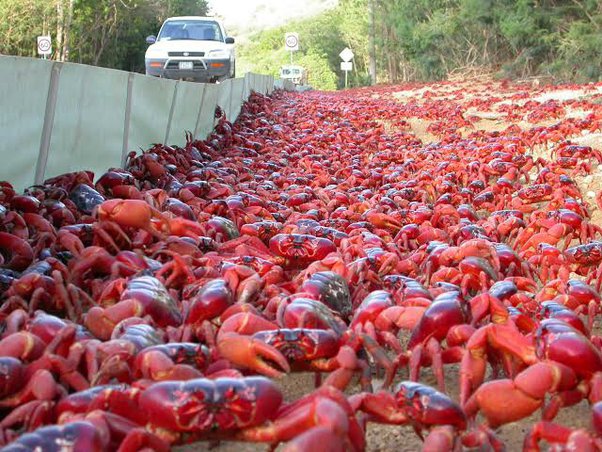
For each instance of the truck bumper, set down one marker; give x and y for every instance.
(202, 70)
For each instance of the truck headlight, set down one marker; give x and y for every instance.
(153, 53)
(218, 54)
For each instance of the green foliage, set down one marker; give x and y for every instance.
(186, 8)
(22, 21)
(580, 55)
(319, 73)
(428, 39)
(415, 39)
(108, 33)
(112, 32)
(321, 39)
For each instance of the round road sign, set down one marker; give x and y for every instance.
(291, 41)
(44, 45)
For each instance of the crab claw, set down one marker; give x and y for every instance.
(134, 213)
(381, 220)
(244, 351)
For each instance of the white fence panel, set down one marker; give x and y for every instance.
(151, 103)
(186, 110)
(23, 96)
(207, 114)
(247, 86)
(223, 99)
(254, 80)
(236, 99)
(89, 123)
(62, 117)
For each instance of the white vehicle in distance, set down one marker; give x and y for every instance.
(191, 48)
(295, 74)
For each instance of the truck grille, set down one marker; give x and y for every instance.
(181, 54)
(175, 65)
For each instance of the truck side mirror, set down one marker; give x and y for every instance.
(151, 39)
(229, 40)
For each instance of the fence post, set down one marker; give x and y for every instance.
(127, 119)
(53, 88)
(171, 111)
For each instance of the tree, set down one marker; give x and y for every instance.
(319, 73)
(414, 39)
(322, 38)
(107, 33)
(22, 21)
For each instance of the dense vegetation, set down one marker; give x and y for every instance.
(109, 33)
(415, 39)
(429, 39)
(321, 40)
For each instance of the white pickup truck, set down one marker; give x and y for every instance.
(191, 48)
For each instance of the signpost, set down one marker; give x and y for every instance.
(291, 42)
(44, 46)
(346, 65)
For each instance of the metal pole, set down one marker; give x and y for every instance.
(291, 57)
(346, 72)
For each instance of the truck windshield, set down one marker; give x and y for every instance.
(190, 29)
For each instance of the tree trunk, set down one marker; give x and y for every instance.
(372, 42)
(107, 29)
(67, 31)
(60, 24)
